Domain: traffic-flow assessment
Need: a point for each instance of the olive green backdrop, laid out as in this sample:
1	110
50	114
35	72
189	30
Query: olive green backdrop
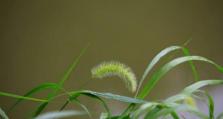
40	38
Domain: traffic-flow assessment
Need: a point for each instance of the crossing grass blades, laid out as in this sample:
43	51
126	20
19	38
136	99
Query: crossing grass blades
139	108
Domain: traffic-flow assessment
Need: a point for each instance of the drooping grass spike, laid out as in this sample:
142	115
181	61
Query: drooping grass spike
114	68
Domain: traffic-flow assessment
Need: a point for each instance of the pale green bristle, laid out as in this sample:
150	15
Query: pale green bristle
113	68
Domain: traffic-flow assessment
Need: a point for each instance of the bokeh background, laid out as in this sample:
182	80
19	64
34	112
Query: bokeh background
40	38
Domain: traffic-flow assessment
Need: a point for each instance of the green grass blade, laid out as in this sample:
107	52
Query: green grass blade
40	108
72	67
151	113
127	111
154	110
193	67
159	56
190	89
176	98
187	108
167	67
79	103
210	106
75	95
84	107
165	112
163	53
98	95
154	61
36	90
175	103
65	77
3	114
75	100
64	105
110	96
143	109
60	114
22	97
174	115
172	110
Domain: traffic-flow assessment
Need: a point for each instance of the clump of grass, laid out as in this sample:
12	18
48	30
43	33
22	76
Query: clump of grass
139	107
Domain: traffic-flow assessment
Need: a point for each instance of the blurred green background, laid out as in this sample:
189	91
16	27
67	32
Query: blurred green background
40	38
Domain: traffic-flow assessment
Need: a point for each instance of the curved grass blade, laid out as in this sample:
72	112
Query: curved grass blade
109	96
22	97
36	90
167	67
172	102
154	61
159	56
180	108
127	111
65	77
190	89
60	114
79	103
75	100
152	109
75	95
3	115
151	113
118	117
176	98
97	95
194	88
210	106
72	67
193	67
143	109
165	112
40	108
84	107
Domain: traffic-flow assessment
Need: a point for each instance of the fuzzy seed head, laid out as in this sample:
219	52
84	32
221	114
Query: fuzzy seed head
114	68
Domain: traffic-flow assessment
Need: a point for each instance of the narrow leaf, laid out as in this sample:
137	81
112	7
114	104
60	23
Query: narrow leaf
190	89
65	77
159	56
3	115
60	114
75	95
35	90
154	61
193	67
110	96
210	106
21	97
167	67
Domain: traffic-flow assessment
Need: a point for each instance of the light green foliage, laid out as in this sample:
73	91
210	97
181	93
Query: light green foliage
60	114
138	108
114	68
3	115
